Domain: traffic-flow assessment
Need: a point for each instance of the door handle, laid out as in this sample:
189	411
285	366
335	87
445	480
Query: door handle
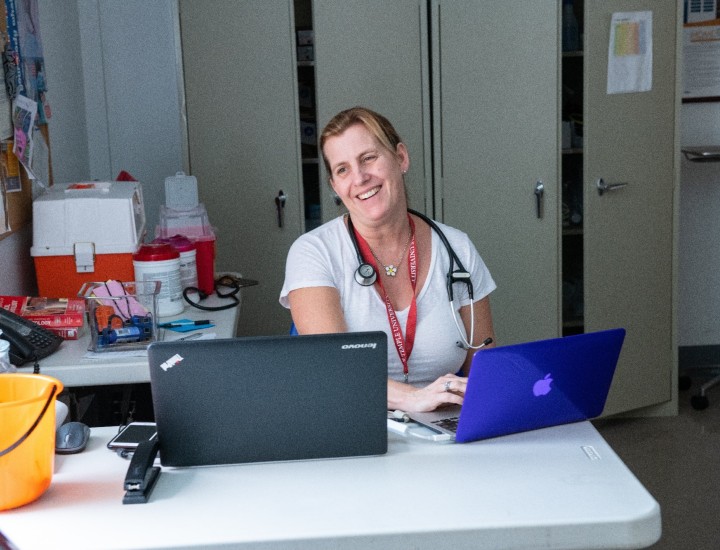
280	207
539	192
602	187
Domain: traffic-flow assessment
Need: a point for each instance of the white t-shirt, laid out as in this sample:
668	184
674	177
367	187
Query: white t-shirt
326	257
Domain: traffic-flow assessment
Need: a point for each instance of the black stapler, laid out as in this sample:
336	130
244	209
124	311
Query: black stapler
142	476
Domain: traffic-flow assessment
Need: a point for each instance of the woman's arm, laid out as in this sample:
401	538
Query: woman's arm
316	310
483	328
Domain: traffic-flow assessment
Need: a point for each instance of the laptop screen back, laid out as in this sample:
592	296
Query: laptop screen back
270	398
538	384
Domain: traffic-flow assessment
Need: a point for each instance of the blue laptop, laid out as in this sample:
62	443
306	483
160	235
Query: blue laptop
532	385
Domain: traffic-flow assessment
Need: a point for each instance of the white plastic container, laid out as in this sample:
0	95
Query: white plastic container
5	365
181	192
161	262
188	259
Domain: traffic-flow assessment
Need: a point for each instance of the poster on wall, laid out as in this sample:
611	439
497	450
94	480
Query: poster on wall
701	51
23	60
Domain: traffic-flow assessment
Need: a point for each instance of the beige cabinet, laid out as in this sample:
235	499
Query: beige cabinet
244	146
374	53
495	114
502	175
630	233
244	110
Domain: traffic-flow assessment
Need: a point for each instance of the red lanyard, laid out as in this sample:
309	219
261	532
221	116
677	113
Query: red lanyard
404	345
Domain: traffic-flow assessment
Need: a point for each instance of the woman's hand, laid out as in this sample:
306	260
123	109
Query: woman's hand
446	390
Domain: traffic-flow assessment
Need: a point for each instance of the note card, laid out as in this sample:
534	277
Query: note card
630	53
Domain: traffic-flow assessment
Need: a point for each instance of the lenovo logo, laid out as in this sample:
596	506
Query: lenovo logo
372	345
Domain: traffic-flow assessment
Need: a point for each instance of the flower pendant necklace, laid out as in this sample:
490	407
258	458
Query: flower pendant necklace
391	270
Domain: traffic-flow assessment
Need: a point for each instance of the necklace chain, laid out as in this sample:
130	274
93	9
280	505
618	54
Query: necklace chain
391	270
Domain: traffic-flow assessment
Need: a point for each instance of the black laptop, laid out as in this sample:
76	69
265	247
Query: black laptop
270	398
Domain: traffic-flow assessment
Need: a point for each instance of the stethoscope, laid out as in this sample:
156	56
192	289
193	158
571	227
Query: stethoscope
232	283
366	275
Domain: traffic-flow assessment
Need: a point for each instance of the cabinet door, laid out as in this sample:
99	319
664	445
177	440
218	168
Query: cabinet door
244	141
629	232
374	53
495	128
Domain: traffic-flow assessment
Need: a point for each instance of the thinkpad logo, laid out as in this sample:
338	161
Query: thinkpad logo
170	363
371	345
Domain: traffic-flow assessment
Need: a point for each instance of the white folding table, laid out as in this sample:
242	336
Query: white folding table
559	487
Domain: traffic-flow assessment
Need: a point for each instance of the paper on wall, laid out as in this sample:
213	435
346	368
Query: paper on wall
701	61
630	53
24	111
4	227
6	127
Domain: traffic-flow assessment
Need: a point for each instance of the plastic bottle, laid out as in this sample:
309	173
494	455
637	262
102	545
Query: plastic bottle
161	262
126	334
188	259
570	28
5	365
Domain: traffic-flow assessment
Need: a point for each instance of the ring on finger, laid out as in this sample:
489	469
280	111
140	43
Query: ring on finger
447	386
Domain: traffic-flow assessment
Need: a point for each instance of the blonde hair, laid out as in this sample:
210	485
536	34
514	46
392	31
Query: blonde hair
375	123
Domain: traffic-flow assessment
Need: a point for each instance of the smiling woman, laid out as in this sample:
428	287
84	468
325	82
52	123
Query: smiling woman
367	162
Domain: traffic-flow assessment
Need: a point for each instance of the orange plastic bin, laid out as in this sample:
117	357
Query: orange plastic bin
27	436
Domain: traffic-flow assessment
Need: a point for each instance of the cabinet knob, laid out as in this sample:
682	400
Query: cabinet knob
602	187
280	207
539	192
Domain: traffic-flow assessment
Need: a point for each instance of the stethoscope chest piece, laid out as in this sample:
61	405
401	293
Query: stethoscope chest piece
365	275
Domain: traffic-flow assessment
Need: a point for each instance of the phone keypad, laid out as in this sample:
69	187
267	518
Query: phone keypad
41	340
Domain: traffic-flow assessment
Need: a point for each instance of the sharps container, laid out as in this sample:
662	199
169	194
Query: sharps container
161	262
195	225
205	247
188	259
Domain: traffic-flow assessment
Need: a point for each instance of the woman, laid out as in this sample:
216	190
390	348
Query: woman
366	162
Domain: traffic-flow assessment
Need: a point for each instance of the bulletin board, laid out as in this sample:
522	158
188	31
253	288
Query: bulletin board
18	204
701	61
23	75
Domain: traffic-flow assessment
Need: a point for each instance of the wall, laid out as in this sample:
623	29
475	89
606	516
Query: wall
113	77
17	275
131	77
699	254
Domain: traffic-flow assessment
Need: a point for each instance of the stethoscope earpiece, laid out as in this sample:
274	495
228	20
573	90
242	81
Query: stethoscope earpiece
365	275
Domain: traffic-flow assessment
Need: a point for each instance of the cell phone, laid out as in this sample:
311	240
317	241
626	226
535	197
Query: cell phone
132	435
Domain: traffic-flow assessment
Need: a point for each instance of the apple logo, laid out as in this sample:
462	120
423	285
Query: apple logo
542	387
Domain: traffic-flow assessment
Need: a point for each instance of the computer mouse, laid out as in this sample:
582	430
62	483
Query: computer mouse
71	437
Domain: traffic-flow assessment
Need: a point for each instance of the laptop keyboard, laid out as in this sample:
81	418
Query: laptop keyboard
449	424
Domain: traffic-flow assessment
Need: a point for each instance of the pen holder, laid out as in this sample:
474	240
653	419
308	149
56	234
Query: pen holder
121	316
